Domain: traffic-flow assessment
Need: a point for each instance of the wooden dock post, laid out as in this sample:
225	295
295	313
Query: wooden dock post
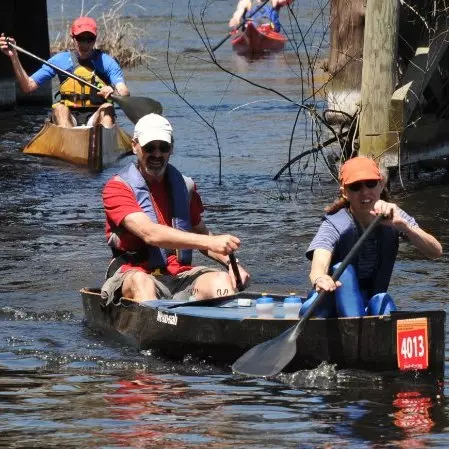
378	77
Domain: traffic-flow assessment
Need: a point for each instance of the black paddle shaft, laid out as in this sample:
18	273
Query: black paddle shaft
133	107
272	356
239	26
236	271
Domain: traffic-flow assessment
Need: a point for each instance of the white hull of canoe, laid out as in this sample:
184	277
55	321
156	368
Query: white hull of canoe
94	147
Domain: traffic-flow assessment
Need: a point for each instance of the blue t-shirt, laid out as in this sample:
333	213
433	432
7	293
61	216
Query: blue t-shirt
106	67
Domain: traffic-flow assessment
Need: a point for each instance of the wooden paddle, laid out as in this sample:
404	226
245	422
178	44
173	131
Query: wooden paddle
239	26
272	356
133	107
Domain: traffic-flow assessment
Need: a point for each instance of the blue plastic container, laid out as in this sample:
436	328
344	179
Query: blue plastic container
265	307
292	306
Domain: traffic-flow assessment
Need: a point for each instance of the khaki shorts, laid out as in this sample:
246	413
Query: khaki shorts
179	287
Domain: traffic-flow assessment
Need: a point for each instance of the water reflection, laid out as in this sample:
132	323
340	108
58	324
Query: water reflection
369	409
413	414
146	403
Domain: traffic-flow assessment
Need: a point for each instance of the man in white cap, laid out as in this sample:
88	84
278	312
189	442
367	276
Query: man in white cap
79	104
153	222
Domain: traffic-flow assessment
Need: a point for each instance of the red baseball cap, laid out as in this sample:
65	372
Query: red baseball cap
359	169
84	25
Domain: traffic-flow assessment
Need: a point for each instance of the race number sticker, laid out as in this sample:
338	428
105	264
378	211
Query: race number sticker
412	344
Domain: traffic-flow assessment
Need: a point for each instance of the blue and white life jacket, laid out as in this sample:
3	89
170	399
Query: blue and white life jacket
181	188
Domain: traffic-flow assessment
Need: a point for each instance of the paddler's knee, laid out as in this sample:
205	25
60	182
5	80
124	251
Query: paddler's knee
61	115
105	115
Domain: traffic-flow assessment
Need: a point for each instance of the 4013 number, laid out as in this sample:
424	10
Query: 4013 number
412	344
412	347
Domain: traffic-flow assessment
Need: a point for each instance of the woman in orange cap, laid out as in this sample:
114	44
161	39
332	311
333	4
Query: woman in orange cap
361	289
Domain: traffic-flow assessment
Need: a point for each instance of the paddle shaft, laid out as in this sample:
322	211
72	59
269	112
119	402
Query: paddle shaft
236	271
239	26
337	273
53	66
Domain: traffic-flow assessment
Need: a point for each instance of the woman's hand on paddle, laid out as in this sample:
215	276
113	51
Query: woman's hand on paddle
4	47
326	283
390	211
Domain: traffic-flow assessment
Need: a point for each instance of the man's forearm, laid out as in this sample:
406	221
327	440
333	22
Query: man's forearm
26	83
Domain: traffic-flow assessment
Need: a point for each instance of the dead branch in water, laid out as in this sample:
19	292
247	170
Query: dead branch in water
173	87
310	98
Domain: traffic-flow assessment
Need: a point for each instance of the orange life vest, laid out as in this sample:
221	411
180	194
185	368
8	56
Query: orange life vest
75	94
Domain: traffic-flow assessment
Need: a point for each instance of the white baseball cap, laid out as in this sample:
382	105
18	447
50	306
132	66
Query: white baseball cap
153	127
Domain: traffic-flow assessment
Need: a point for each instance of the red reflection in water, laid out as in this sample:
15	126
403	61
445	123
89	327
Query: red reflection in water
140	400
413	416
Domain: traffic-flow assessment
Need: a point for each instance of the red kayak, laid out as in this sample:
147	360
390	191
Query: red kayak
258	39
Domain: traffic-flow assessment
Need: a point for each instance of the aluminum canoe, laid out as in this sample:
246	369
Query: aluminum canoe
222	329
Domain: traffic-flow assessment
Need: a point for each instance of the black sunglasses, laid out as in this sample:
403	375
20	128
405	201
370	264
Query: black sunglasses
163	147
87	39
356	186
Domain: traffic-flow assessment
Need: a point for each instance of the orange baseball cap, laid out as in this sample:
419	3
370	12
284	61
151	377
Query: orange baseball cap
84	25
359	169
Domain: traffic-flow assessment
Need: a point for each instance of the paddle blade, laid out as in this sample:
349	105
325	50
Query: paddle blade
270	357
136	107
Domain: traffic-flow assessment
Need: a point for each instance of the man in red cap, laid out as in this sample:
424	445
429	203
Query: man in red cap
79	104
362	287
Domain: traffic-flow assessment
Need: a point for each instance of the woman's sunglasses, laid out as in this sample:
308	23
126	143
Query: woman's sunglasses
164	147
85	39
356	186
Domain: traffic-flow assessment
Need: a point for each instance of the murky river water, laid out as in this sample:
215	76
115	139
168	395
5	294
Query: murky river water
62	385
